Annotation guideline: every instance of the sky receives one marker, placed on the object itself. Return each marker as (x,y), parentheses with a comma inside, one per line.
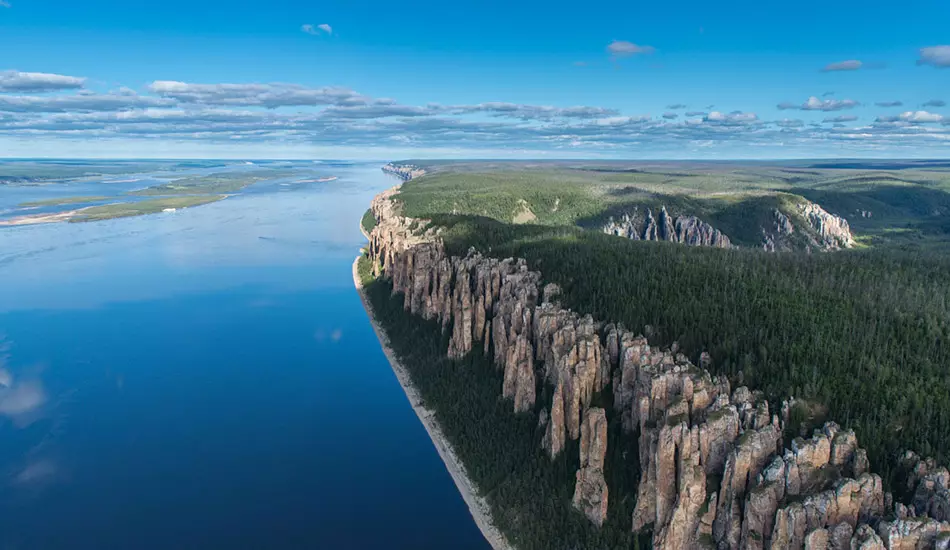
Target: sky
(380,79)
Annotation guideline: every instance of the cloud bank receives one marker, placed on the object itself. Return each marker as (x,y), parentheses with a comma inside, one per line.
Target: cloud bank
(40,106)
(16,81)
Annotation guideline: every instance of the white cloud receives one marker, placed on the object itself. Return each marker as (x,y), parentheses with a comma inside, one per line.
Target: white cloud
(16,81)
(622,48)
(522,111)
(849,65)
(920,117)
(316,30)
(267,116)
(79,103)
(255,94)
(938,56)
(816,104)
(734,118)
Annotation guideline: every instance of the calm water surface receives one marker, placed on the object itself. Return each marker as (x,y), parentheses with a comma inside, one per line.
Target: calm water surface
(208,379)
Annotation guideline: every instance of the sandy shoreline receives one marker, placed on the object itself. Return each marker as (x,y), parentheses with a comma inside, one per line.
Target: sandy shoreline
(31,219)
(476,504)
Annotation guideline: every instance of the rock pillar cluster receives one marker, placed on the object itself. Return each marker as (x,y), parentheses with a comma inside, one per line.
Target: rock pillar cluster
(715,470)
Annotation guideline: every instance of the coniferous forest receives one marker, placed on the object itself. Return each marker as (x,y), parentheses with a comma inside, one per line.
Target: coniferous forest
(529,494)
(863,336)
(860,337)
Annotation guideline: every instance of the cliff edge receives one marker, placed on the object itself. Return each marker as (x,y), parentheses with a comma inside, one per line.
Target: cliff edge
(716,471)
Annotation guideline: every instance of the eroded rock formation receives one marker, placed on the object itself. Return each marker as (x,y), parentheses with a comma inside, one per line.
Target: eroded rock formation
(833,231)
(590,490)
(682,229)
(818,230)
(715,471)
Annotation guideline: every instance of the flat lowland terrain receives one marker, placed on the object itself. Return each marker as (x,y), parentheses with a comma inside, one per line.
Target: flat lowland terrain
(140,208)
(213,183)
(62,201)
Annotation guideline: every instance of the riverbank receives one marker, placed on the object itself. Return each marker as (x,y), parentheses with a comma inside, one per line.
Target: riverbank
(477,506)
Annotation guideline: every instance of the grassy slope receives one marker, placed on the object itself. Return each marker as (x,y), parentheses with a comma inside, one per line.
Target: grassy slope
(368,222)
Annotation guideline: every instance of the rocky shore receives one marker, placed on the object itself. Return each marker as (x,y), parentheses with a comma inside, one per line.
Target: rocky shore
(476,504)
(716,468)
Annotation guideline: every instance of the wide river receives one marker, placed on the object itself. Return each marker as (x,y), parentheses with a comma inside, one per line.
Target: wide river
(208,378)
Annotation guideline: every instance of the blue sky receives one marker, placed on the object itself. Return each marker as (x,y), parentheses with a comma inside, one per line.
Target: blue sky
(473,79)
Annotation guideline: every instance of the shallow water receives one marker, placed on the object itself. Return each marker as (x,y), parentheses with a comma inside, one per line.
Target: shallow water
(208,379)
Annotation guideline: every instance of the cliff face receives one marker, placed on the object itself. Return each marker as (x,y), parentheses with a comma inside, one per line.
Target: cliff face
(404,172)
(714,470)
(820,229)
(683,229)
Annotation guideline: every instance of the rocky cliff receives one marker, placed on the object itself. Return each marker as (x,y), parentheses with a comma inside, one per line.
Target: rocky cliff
(682,229)
(818,229)
(715,469)
(404,172)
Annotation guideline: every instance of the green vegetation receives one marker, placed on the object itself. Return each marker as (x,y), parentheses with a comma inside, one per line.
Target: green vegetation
(368,222)
(884,207)
(364,270)
(863,336)
(62,201)
(528,493)
(213,183)
(140,208)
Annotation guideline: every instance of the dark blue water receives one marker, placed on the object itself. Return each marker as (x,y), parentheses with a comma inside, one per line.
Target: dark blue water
(209,379)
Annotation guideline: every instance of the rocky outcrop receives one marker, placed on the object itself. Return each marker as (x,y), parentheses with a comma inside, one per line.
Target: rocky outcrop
(714,469)
(818,230)
(688,230)
(833,231)
(404,172)
(590,490)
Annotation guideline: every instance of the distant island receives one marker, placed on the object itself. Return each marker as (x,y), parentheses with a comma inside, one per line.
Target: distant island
(606,370)
(184,192)
(114,210)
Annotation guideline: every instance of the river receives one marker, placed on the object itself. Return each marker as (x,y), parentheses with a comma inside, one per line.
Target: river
(208,378)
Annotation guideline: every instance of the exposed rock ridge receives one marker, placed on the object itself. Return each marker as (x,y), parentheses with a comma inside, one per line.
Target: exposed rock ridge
(825,231)
(714,473)
(688,230)
(404,172)
(833,231)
